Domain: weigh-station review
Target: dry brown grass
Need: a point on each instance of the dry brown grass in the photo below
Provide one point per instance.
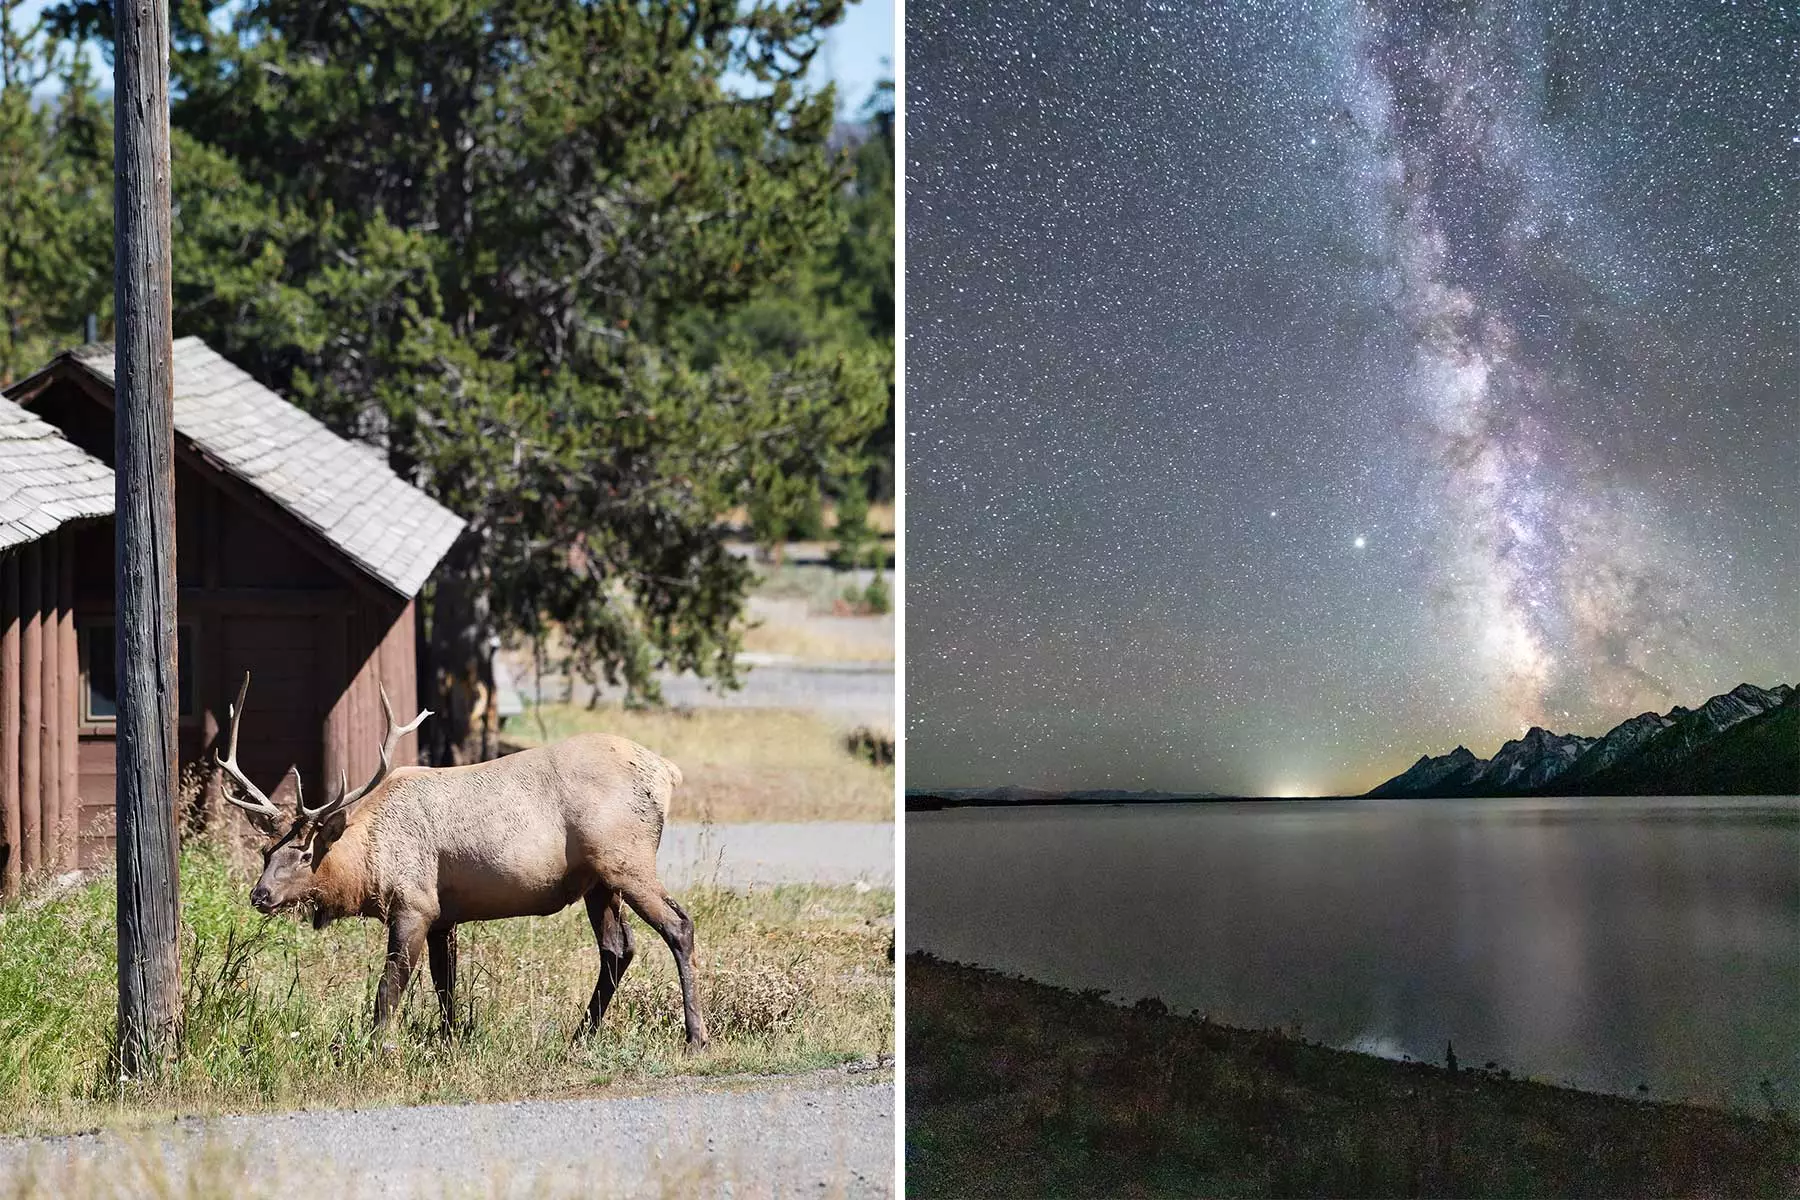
(881, 517)
(814, 641)
(738, 764)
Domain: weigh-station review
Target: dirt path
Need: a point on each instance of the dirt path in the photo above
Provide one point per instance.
(827, 1134)
(760, 854)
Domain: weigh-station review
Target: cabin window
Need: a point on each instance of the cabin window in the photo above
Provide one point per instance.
(99, 693)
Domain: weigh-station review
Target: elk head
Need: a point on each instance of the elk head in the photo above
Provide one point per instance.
(298, 844)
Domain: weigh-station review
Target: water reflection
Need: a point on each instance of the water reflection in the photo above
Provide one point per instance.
(1604, 943)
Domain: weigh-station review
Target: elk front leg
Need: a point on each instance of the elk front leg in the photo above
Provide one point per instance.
(606, 913)
(677, 930)
(406, 942)
(441, 944)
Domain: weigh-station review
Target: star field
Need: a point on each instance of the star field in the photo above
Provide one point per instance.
(1295, 388)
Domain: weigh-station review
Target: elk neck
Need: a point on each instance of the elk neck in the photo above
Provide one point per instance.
(342, 882)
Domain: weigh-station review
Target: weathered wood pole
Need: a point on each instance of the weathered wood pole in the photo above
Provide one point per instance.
(144, 545)
(11, 852)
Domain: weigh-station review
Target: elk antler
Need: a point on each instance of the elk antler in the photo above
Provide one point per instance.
(263, 806)
(330, 806)
(392, 743)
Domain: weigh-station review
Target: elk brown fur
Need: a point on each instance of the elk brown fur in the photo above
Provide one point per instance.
(425, 849)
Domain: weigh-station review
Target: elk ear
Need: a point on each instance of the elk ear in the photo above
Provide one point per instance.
(326, 832)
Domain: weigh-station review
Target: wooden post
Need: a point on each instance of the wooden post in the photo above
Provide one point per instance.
(144, 540)
(31, 709)
(11, 851)
(69, 720)
(50, 727)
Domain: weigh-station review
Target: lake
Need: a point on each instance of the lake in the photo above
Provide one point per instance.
(1603, 943)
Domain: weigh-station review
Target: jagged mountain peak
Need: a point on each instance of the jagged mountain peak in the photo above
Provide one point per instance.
(1635, 754)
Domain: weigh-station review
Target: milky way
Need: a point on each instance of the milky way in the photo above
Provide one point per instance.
(1295, 389)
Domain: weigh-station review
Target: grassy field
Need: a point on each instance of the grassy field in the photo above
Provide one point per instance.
(815, 641)
(737, 764)
(1019, 1089)
(824, 591)
(276, 1014)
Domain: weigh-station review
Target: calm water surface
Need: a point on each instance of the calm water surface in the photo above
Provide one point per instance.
(1599, 942)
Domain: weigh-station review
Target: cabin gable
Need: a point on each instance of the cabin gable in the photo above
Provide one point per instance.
(321, 627)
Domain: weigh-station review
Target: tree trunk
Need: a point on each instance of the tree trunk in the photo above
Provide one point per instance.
(456, 678)
(144, 549)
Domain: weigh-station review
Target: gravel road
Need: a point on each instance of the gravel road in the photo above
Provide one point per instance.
(759, 854)
(828, 1134)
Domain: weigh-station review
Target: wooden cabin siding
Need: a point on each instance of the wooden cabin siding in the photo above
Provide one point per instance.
(380, 641)
(317, 651)
(49, 725)
(11, 853)
(69, 739)
(39, 769)
(255, 597)
(31, 706)
(257, 590)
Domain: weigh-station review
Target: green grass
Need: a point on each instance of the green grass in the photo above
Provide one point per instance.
(276, 1014)
(1015, 1088)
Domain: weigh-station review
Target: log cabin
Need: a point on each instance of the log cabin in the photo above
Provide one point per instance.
(50, 492)
(299, 556)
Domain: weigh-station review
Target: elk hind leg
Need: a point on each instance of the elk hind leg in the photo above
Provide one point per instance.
(441, 947)
(606, 914)
(677, 929)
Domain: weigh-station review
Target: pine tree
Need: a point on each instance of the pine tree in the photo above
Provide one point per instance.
(520, 246)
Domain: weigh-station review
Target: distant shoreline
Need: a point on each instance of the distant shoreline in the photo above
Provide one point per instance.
(935, 801)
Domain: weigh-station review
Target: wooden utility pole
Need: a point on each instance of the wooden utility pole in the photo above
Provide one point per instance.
(144, 546)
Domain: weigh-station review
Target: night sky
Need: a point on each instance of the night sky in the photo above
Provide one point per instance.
(1296, 388)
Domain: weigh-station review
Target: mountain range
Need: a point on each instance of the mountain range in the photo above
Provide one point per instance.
(1743, 742)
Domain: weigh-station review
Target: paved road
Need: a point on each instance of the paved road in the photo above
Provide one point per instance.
(800, 852)
(827, 1134)
(845, 693)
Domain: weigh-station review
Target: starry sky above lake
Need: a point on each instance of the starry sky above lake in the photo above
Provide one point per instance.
(1294, 388)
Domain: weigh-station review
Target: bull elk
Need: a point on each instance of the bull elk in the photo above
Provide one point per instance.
(424, 849)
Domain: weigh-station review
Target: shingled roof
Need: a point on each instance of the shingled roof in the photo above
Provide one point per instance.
(341, 489)
(45, 480)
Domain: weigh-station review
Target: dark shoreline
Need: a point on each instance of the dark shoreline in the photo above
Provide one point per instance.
(932, 802)
(1017, 1088)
